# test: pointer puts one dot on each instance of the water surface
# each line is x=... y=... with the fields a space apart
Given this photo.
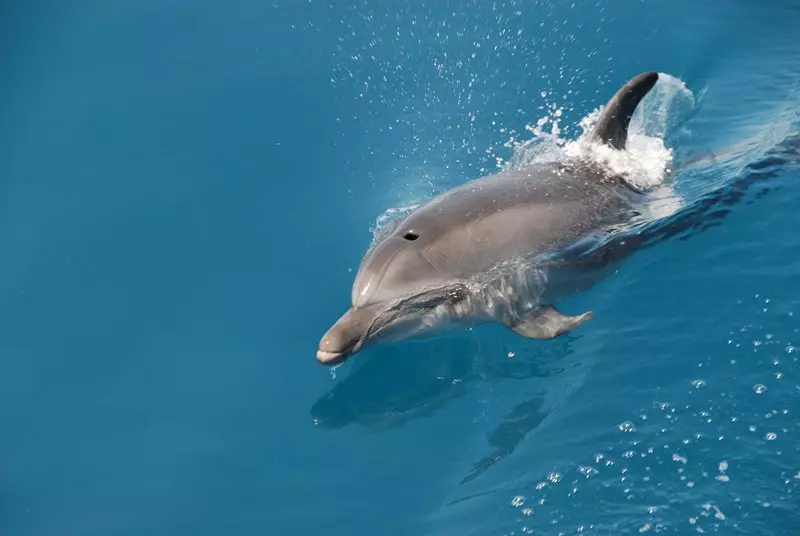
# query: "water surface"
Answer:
x=186 y=193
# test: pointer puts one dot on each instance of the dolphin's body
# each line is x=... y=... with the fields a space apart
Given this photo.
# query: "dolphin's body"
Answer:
x=492 y=250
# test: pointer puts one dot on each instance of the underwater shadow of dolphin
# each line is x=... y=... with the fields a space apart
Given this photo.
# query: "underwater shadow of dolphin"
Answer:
x=396 y=385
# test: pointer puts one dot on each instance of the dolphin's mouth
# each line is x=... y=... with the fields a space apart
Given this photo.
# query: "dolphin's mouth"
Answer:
x=331 y=358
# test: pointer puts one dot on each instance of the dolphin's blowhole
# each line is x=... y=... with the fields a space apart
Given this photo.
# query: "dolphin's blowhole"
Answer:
x=411 y=235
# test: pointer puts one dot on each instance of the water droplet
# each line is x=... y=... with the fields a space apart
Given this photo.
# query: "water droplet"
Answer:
x=759 y=388
x=511 y=354
x=698 y=384
x=518 y=501
x=555 y=478
x=771 y=436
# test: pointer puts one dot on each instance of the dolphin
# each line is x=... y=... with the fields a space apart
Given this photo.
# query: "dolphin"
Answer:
x=501 y=248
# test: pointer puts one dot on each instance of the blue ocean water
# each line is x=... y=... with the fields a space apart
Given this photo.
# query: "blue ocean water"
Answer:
x=186 y=190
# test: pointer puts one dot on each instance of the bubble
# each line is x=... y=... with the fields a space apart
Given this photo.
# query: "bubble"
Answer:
x=588 y=471
x=771 y=436
x=626 y=427
x=680 y=459
x=759 y=388
x=518 y=501
x=698 y=384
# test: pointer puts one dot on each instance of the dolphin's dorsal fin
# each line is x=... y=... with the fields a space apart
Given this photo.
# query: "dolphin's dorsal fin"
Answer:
x=612 y=126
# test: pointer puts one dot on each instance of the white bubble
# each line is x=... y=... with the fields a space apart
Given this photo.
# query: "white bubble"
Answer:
x=518 y=501
x=759 y=388
x=588 y=471
x=626 y=427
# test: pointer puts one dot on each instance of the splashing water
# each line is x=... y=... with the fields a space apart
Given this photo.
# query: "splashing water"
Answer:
x=386 y=222
x=645 y=164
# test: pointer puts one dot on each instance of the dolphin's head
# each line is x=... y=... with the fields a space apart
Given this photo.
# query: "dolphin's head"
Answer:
x=405 y=262
x=386 y=321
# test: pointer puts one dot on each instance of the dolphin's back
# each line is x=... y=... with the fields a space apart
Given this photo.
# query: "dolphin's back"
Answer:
x=467 y=230
x=516 y=214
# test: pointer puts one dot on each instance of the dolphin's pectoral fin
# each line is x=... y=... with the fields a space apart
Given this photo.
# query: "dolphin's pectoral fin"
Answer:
x=548 y=323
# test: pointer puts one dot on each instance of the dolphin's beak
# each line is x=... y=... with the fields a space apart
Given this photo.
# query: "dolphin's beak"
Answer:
x=346 y=336
x=331 y=358
x=340 y=342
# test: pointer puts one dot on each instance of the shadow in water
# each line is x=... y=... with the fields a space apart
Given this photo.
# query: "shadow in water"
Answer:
x=504 y=439
x=402 y=382
x=399 y=383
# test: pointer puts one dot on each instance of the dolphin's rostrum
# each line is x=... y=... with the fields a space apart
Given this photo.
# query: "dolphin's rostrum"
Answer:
x=490 y=250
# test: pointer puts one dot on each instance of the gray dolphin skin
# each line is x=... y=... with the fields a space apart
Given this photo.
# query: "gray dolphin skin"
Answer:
x=491 y=250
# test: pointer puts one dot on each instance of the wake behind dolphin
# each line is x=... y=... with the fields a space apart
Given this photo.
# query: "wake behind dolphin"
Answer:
x=501 y=248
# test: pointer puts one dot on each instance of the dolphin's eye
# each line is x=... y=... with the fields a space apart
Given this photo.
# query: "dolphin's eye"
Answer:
x=411 y=235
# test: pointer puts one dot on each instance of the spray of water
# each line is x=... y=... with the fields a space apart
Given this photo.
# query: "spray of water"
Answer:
x=645 y=164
